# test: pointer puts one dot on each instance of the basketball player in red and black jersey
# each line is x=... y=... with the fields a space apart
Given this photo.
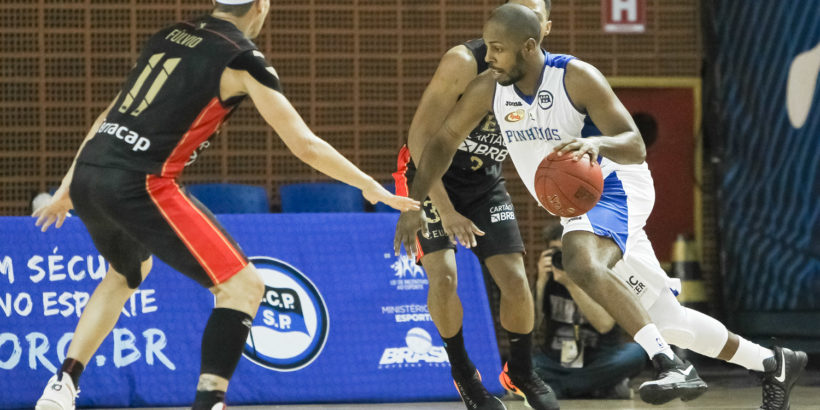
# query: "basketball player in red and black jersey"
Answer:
x=470 y=204
x=122 y=184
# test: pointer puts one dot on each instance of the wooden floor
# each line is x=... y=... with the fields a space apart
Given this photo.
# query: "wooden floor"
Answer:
x=803 y=398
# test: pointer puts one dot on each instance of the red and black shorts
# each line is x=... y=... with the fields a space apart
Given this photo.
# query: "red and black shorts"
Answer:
x=131 y=215
x=481 y=198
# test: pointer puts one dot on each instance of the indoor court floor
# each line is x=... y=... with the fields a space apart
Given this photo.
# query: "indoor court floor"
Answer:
x=803 y=398
x=729 y=388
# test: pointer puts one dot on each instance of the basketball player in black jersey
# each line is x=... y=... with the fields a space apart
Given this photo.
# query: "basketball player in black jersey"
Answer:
x=471 y=205
x=188 y=79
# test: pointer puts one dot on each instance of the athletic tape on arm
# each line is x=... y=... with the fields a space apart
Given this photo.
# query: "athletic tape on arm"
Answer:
x=257 y=66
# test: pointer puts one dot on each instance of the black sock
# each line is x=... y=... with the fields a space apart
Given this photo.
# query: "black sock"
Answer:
x=205 y=400
x=74 y=369
x=520 y=353
x=461 y=364
x=223 y=340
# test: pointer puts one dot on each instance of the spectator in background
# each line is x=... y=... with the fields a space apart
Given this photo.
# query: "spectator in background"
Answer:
x=581 y=353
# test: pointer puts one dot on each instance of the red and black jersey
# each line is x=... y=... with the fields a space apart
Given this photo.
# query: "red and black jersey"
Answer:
x=170 y=103
x=476 y=165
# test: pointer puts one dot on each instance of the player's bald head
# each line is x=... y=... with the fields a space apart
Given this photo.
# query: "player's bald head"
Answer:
x=518 y=23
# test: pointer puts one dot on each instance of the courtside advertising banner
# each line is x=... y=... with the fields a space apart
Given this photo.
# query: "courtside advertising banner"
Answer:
x=342 y=320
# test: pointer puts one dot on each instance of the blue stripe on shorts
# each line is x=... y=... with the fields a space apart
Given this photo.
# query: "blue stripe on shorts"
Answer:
x=610 y=216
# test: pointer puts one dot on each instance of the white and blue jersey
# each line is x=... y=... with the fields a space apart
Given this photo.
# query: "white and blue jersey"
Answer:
x=533 y=125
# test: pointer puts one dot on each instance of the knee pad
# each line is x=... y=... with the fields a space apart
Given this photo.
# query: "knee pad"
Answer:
x=687 y=328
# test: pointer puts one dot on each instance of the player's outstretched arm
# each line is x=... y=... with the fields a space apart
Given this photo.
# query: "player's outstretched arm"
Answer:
x=58 y=206
x=314 y=151
x=455 y=71
x=590 y=92
x=438 y=153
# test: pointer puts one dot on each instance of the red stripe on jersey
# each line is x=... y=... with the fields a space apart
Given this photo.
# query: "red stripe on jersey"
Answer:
x=205 y=124
x=400 y=176
x=214 y=252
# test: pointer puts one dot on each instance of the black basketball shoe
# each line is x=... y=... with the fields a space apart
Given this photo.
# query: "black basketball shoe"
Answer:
x=674 y=378
x=537 y=394
x=474 y=395
x=780 y=373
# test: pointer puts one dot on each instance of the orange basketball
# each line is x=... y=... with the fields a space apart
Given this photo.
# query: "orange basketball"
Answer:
x=568 y=188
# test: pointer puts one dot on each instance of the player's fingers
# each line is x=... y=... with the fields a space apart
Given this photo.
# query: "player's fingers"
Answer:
x=464 y=238
x=471 y=238
x=582 y=150
x=403 y=203
x=476 y=230
x=49 y=220
x=560 y=146
x=410 y=250
x=572 y=146
x=425 y=229
x=60 y=220
x=397 y=242
x=40 y=219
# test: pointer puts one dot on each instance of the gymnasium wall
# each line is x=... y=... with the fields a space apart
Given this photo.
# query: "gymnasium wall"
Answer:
x=355 y=70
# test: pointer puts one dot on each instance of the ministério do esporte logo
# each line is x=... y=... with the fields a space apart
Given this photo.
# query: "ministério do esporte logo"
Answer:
x=291 y=326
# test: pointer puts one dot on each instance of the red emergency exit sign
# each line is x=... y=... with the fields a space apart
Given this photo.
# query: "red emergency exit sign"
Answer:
x=623 y=16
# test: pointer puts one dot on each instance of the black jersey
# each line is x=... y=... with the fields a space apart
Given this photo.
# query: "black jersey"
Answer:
x=477 y=162
x=169 y=104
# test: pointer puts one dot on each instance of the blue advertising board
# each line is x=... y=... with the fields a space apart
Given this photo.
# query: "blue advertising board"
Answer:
x=343 y=319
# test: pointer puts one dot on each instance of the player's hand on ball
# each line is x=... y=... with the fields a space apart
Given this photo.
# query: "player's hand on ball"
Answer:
x=410 y=222
x=459 y=228
x=578 y=147
x=376 y=193
x=55 y=210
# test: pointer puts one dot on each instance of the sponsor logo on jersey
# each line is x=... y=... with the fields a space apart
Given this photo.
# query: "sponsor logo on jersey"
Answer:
x=502 y=213
x=636 y=285
x=408 y=313
x=532 y=134
x=419 y=352
x=514 y=116
x=291 y=327
x=485 y=149
x=544 y=99
x=122 y=132
x=513 y=103
x=195 y=152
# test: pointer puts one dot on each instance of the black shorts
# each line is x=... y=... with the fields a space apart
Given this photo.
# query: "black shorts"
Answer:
x=131 y=215
x=488 y=205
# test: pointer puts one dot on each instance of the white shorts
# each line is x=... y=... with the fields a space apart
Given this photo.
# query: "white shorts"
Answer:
x=621 y=214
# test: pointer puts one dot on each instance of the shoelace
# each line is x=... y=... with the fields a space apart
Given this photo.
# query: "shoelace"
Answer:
x=774 y=397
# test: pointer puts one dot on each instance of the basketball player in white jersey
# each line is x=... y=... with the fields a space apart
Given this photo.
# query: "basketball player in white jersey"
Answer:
x=541 y=100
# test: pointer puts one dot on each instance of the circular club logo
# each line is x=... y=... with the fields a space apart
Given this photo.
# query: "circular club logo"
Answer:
x=291 y=326
x=544 y=99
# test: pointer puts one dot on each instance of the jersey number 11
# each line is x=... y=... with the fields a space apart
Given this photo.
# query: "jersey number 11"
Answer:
x=165 y=71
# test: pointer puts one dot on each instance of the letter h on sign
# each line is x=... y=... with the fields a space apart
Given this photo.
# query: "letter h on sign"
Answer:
x=623 y=16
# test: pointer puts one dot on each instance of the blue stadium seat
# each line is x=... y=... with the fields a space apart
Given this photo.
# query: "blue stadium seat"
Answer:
x=381 y=207
x=321 y=197
x=231 y=198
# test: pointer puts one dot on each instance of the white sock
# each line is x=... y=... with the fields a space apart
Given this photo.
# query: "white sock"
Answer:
x=652 y=342
x=750 y=355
